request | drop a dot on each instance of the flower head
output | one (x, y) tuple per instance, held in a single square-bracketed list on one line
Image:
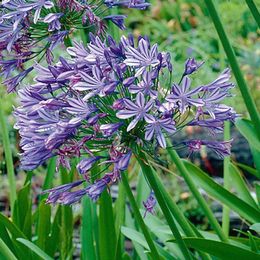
[(110, 99)]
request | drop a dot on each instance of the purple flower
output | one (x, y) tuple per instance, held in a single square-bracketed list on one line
[(53, 20), (221, 148), (222, 82), (57, 38), (210, 104), (145, 86), (155, 127), (79, 108), (118, 20), (56, 193), (86, 164), (142, 57), (138, 4), (110, 129), (68, 198), (149, 204), (214, 125), (124, 161), (94, 191), (138, 109), (12, 83), (94, 83), (37, 6), (182, 95), (191, 66)]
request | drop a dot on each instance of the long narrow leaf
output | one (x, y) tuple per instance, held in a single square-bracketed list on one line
[(8, 157), (107, 234), (241, 186), (139, 238), (5, 252), (218, 192), (247, 169), (246, 128), (221, 250), (43, 225), (87, 236), (34, 249)]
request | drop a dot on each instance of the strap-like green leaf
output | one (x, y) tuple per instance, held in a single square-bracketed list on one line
[(246, 128), (218, 192), (34, 249), (5, 252), (221, 250), (240, 185), (139, 238)]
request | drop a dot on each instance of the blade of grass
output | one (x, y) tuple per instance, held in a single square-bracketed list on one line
[(249, 102), (149, 174), (139, 218), (8, 157)]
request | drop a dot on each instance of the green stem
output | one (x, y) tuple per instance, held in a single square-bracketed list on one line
[(139, 217), (185, 174), (254, 11), (8, 158), (150, 176), (176, 212), (180, 218), (227, 184), (249, 102)]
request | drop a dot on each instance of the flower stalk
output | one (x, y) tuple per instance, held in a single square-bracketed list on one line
[(139, 217), (226, 210), (185, 174), (176, 212), (249, 102), (8, 157), (147, 171), (251, 5)]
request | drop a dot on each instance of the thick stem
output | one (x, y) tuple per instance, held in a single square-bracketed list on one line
[(185, 174), (180, 218), (254, 11), (149, 174), (139, 218), (176, 212), (8, 158), (249, 102), (227, 184)]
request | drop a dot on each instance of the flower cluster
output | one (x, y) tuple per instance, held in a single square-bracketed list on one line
[(108, 101), (33, 28)]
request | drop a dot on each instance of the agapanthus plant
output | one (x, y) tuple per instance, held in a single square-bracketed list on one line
[(108, 102), (31, 29)]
